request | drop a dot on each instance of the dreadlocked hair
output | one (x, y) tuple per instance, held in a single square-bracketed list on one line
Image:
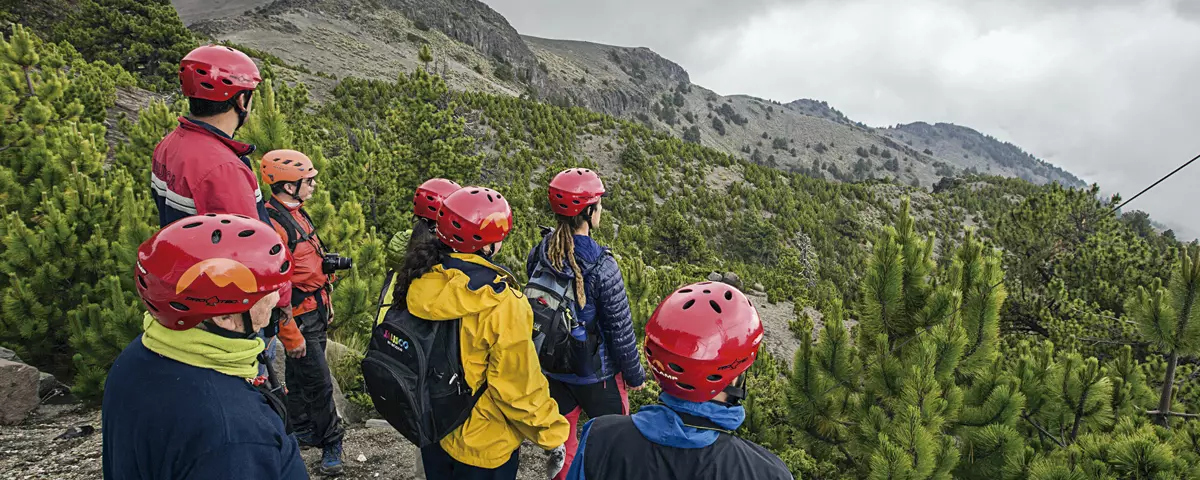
[(561, 249), (424, 252)]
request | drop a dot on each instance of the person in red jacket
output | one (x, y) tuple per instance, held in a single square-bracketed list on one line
[(293, 180), (199, 168)]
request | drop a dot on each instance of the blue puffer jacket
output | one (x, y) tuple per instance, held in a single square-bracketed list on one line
[(606, 303)]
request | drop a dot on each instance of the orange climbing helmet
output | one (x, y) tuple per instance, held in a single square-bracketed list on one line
[(286, 166)]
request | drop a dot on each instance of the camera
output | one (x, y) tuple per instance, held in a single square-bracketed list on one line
[(333, 262)]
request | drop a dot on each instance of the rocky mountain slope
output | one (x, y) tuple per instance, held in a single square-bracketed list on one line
[(476, 49)]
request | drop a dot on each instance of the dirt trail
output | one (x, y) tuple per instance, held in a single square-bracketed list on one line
[(30, 451)]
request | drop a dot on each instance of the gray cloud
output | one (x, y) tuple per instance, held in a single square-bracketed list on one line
[(1103, 88)]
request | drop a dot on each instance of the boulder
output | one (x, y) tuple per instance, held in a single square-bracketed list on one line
[(714, 277), (18, 391), (49, 386), (758, 287), (732, 279), (6, 354)]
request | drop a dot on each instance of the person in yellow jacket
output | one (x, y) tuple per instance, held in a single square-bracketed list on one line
[(456, 279)]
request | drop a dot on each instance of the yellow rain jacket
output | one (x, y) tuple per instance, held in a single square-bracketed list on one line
[(496, 347)]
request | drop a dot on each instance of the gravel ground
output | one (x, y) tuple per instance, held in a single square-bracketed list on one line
[(30, 451)]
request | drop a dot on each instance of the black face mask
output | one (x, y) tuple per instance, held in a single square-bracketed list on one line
[(736, 392), (242, 113)]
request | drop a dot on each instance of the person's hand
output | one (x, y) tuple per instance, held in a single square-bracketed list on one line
[(331, 313), (555, 460), (300, 351), (633, 388)]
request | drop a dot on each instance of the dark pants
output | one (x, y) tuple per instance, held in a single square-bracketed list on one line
[(440, 465), (310, 389), (597, 399)]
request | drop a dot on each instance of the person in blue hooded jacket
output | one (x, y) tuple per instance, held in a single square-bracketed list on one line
[(597, 386), (699, 342)]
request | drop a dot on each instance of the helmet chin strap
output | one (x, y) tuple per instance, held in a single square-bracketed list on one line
[(736, 392), (247, 325)]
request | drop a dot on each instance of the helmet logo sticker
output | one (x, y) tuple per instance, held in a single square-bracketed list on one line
[(222, 272), (734, 365), (500, 219)]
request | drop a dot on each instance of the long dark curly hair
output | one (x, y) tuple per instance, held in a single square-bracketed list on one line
[(424, 252)]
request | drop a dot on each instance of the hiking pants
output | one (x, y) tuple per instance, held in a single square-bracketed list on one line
[(441, 466), (310, 388), (597, 399)]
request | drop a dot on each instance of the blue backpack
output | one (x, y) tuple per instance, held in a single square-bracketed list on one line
[(564, 344)]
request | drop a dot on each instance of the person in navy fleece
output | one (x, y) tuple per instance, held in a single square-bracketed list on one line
[(598, 386), (699, 342), (178, 401)]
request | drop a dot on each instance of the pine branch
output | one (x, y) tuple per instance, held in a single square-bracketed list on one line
[(1043, 431), (1189, 416)]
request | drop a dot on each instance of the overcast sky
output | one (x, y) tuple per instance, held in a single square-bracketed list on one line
[(1107, 89)]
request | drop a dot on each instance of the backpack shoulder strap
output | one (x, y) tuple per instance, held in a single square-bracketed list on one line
[(279, 214)]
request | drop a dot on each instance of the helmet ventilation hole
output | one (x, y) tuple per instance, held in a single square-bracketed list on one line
[(216, 237), (706, 292), (193, 225), (245, 233), (474, 192), (225, 222), (729, 295), (276, 249), (286, 265), (210, 214), (152, 307), (686, 290), (478, 238), (207, 85), (575, 202), (714, 378), (142, 282), (179, 306), (490, 198), (562, 205), (201, 72), (676, 368), (685, 386), (226, 81), (689, 304), (456, 224), (429, 198), (715, 307), (458, 239), (432, 208), (499, 195), (287, 162)]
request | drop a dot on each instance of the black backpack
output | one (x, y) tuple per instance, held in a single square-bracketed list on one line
[(555, 314), (414, 376)]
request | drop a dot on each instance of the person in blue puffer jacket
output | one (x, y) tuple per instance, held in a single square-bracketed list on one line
[(570, 252)]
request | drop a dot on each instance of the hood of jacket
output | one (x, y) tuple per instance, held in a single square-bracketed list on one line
[(660, 424), (461, 285), (586, 249)]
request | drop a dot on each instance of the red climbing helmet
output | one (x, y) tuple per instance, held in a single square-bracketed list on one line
[(575, 189), (217, 73), (700, 338), (207, 266), (429, 196), (472, 218)]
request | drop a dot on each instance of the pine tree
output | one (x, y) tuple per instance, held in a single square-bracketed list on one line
[(1169, 319), (425, 56)]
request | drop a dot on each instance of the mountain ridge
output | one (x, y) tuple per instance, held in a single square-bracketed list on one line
[(476, 49)]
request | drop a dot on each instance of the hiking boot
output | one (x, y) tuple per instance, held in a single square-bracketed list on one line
[(331, 459), (306, 439)]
